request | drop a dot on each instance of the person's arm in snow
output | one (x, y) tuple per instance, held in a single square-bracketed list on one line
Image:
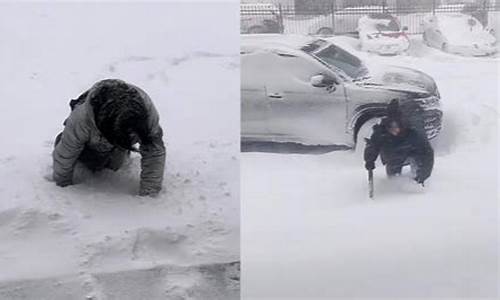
[(424, 156), (67, 151), (152, 164), (372, 148)]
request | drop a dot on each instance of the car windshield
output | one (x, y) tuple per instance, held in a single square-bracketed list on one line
[(459, 25), (337, 58), (384, 22), (389, 26)]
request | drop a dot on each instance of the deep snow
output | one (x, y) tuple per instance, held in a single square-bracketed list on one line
[(97, 239), (309, 229)]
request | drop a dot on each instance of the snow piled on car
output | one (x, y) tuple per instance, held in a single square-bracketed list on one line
[(96, 239), (461, 29)]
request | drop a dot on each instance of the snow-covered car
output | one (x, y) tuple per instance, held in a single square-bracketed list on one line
[(458, 33), (381, 33), (474, 9), (341, 22), (494, 24), (311, 91), (259, 18)]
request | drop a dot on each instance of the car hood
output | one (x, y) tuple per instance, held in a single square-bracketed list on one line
[(400, 78)]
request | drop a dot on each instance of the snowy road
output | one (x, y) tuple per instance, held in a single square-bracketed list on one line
[(307, 218)]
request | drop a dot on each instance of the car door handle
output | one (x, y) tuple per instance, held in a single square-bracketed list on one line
[(275, 96)]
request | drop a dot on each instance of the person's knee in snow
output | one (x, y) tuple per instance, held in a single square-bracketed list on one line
[(393, 170)]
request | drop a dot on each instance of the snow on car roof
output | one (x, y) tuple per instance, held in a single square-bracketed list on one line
[(283, 42), (369, 24), (458, 21), (459, 28)]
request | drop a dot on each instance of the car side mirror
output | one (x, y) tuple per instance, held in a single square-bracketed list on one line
[(322, 80), (405, 28)]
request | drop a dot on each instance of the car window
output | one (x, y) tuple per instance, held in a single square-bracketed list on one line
[(279, 71), (392, 25), (343, 60), (252, 65)]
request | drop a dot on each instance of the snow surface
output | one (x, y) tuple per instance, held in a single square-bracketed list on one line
[(97, 239), (310, 231)]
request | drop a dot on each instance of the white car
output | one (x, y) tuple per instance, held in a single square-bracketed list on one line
[(341, 22), (381, 33), (458, 33), (310, 91), (259, 18)]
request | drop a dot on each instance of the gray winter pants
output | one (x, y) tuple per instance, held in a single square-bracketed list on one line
[(98, 161)]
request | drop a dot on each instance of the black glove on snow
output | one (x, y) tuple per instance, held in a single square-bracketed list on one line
[(369, 165), (419, 180)]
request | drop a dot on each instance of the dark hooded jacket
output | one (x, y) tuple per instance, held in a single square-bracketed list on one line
[(396, 150), (100, 122)]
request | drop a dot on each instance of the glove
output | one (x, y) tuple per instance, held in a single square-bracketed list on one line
[(419, 180), (369, 165)]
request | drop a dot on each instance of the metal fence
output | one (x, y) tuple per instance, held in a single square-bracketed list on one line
[(330, 19)]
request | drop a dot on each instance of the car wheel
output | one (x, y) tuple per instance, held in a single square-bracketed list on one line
[(325, 31), (256, 29), (363, 133)]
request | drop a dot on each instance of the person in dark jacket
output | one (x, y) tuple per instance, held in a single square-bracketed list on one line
[(398, 145), (105, 124)]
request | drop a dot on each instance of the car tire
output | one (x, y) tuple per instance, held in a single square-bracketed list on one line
[(363, 133), (325, 31), (256, 29)]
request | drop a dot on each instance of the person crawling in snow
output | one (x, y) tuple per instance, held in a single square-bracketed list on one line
[(105, 124), (398, 145)]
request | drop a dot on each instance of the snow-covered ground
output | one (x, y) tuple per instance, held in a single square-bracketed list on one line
[(309, 229), (97, 239)]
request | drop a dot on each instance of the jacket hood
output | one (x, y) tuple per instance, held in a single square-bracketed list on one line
[(119, 112)]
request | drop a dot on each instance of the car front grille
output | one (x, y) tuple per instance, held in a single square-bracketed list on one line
[(432, 122), (431, 115)]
